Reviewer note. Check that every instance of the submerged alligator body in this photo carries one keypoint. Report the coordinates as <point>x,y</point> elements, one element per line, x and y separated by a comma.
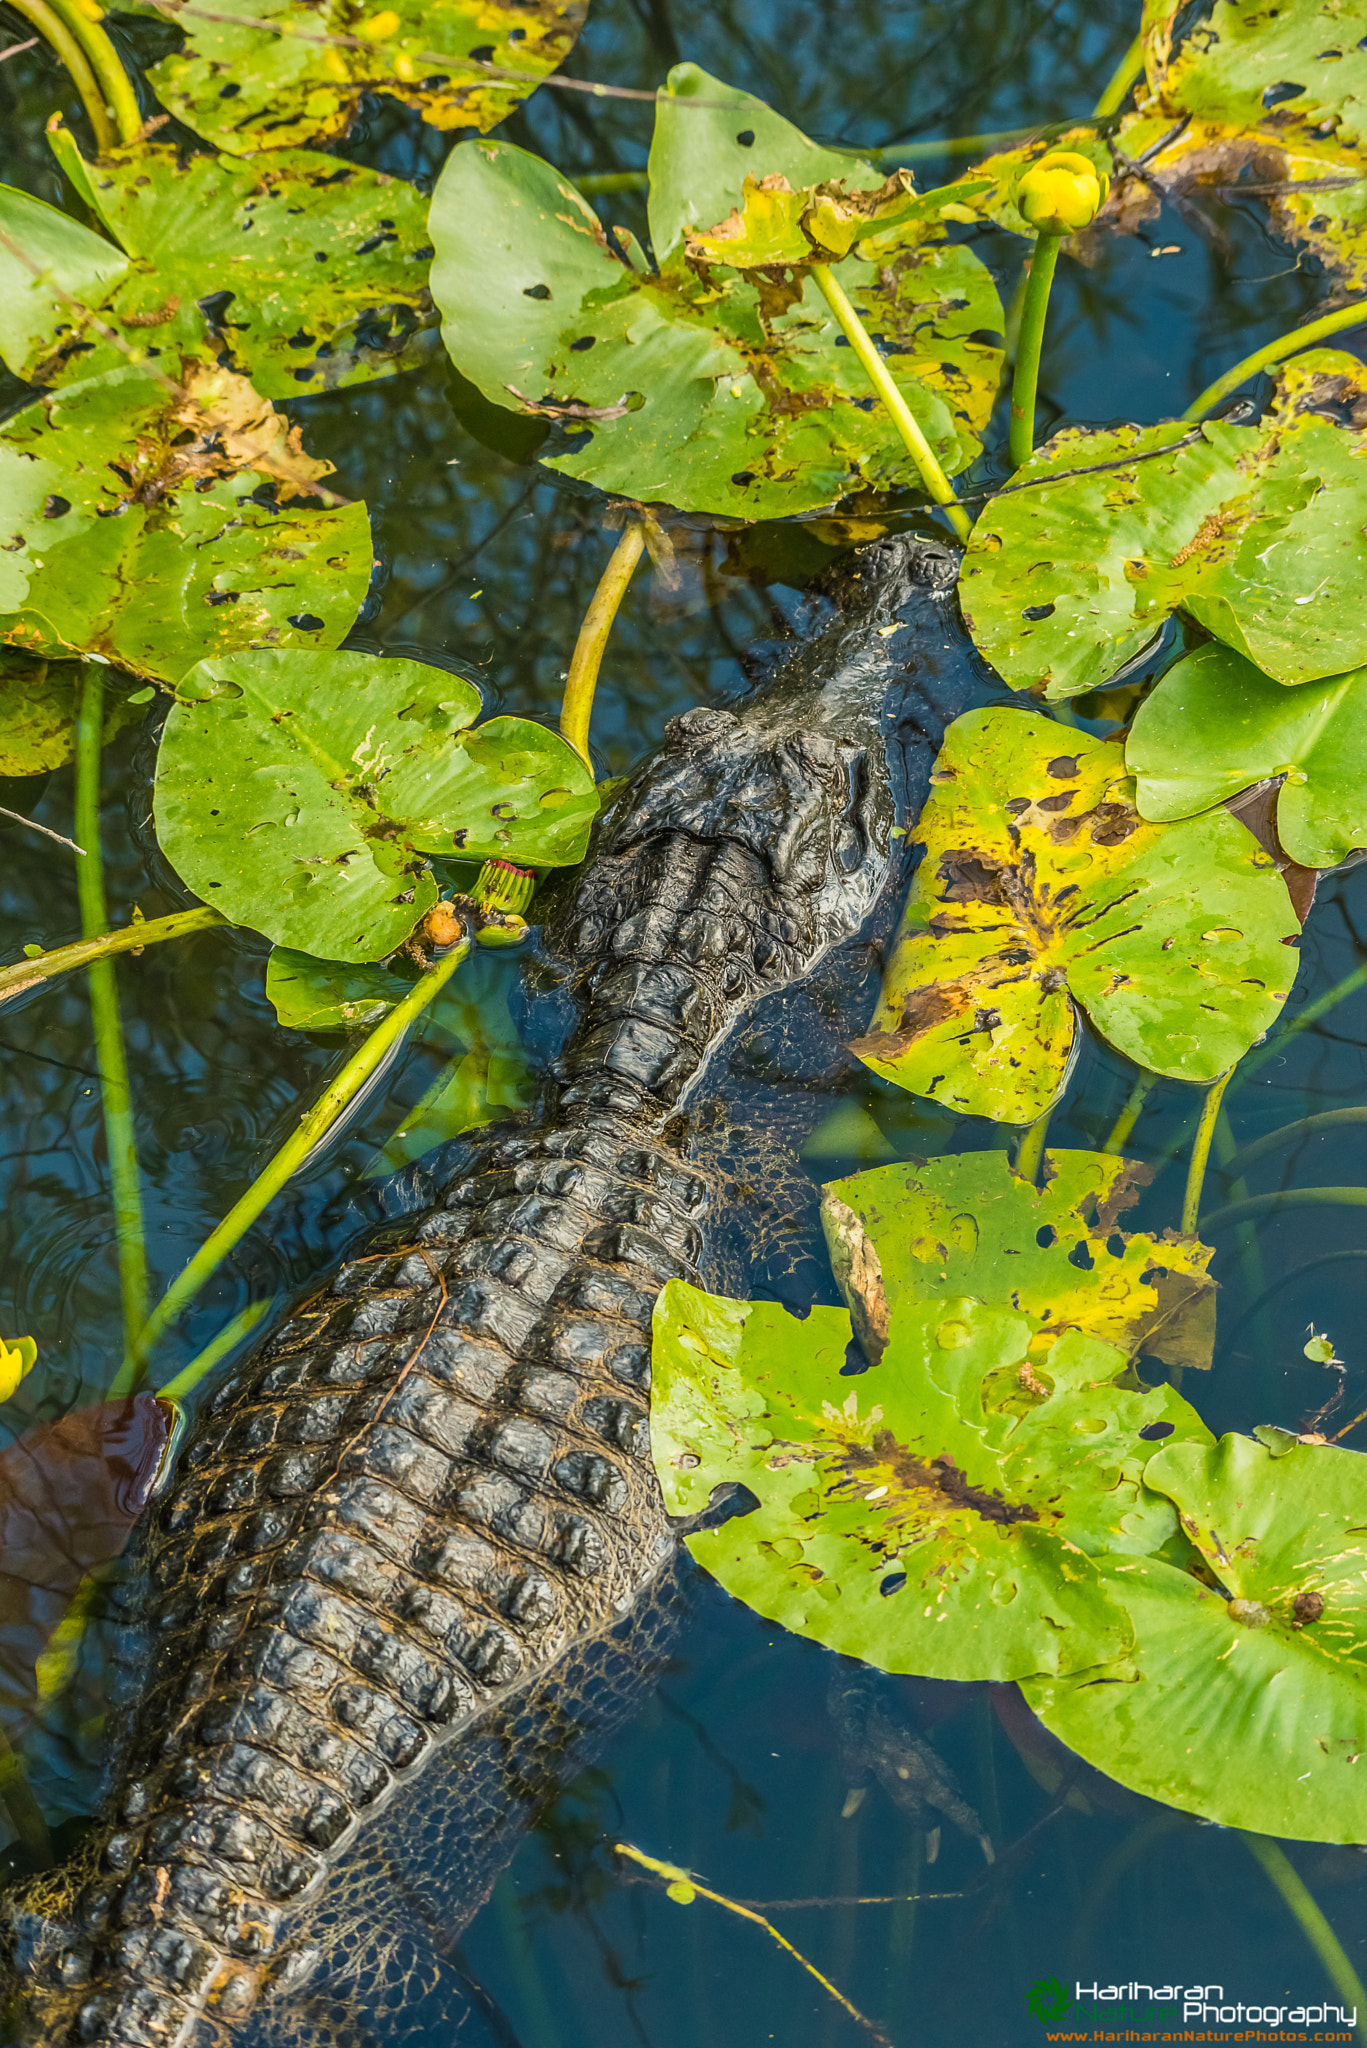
<point>410,1544</point>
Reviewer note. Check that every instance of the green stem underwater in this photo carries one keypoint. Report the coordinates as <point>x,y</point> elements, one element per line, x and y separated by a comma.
<point>1030,1151</point>
<point>1127,71</point>
<point>937,484</point>
<point>1289,1198</point>
<point>116,1098</point>
<point>577,706</point>
<point>1200,1154</point>
<point>228,1338</point>
<point>313,1127</point>
<point>65,45</point>
<point>1280,1873</point>
<point>1276,352</point>
<point>1034,312</point>
<point>121,102</point>
<point>1124,1124</point>
<point>129,938</point>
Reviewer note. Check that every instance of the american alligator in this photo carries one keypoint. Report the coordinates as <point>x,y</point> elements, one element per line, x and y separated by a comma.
<point>417,1534</point>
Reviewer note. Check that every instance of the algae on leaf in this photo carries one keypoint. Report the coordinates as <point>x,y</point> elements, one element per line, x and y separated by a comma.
<point>966,1224</point>
<point>1215,725</point>
<point>1043,889</point>
<point>135,526</point>
<point>303,794</point>
<point>251,89</point>
<point>1253,532</point>
<point>699,387</point>
<point>1245,1698</point>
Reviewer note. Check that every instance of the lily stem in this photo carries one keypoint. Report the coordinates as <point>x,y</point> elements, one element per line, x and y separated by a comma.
<point>313,1127</point>
<point>1130,67</point>
<point>113,110</point>
<point>1025,383</point>
<point>1124,1124</point>
<point>1276,352</point>
<point>229,1337</point>
<point>922,454</point>
<point>1200,1153</point>
<point>129,938</point>
<point>577,706</point>
<point>116,1098</point>
<point>1281,1873</point>
<point>1030,1151</point>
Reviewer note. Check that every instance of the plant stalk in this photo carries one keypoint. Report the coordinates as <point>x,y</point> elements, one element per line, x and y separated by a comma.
<point>313,1127</point>
<point>120,100</point>
<point>1025,382</point>
<point>1200,1153</point>
<point>1130,67</point>
<point>1124,1124</point>
<point>1276,352</point>
<point>1280,1873</point>
<point>1311,1014</point>
<point>69,49</point>
<point>1289,1198</point>
<point>116,1099</point>
<point>1308,1127</point>
<point>922,454</point>
<point>228,1338</point>
<point>129,938</point>
<point>577,707</point>
<point>1030,1151</point>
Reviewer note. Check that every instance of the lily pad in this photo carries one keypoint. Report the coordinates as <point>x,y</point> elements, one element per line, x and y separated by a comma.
<point>931,1514</point>
<point>1245,1698</point>
<point>38,712</point>
<point>302,272</point>
<point>1215,725</point>
<point>966,1224</point>
<point>33,317</point>
<point>1043,890</point>
<point>308,994</point>
<point>1253,532</point>
<point>1288,69</point>
<point>248,88</point>
<point>712,393</point>
<point>134,527</point>
<point>302,794</point>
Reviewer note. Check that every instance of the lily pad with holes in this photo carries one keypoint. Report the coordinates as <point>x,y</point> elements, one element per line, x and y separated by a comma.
<point>1253,532</point>
<point>38,712</point>
<point>71,262</point>
<point>132,525</point>
<point>712,392</point>
<point>1245,1698</point>
<point>966,1224</point>
<point>251,88</point>
<point>302,795</point>
<point>1042,892</point>
<point>1291,70</point>
<point>302,272</point>
<point>938,1512</point>
<point>1215,725</point>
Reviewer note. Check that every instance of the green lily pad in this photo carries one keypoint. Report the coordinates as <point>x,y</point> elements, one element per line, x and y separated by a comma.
<point>302,272</point>
<point>1245,1698</point>
<point>1253,532</point>
<point>934,1513</point>
<point>38,712</point>
<point>1289,70</point>
<point>34,320</point>
<point>966,1224</point>
<point>309,994</point>
<point>248,88</point>
<point>1042,888</point>
<point>775,225</point>
<point>193,563</point>
<point>301,796</point>
<point>711,393</point>
<point>1215,725</point>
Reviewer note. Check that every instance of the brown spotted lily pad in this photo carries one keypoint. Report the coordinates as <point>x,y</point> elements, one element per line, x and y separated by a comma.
<point>1043,892</point>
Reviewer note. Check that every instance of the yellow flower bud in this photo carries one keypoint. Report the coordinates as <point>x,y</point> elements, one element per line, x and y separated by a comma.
<point>15,1360</point>
<point>1061,193</point>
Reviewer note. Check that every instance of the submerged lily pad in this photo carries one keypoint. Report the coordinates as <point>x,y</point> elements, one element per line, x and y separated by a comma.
<point>302,272</point>
<point>709,392</point>
<point>1245,1698</point>
<point>38,701</point>
<point>249,88</point>
<point>309,994</point>
<point>1042,888</point>
<point>966,1224</point>
<point>302,794</point>
<point>1253,532</point>
<point>937,1513</point>
<point>1215,725</point>
<point>133,527</point>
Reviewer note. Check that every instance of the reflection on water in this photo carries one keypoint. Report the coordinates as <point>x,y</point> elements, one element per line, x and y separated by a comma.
<point>734,1769</point>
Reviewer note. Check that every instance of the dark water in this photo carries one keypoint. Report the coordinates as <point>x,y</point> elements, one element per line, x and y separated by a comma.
<point>733,1770</point>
